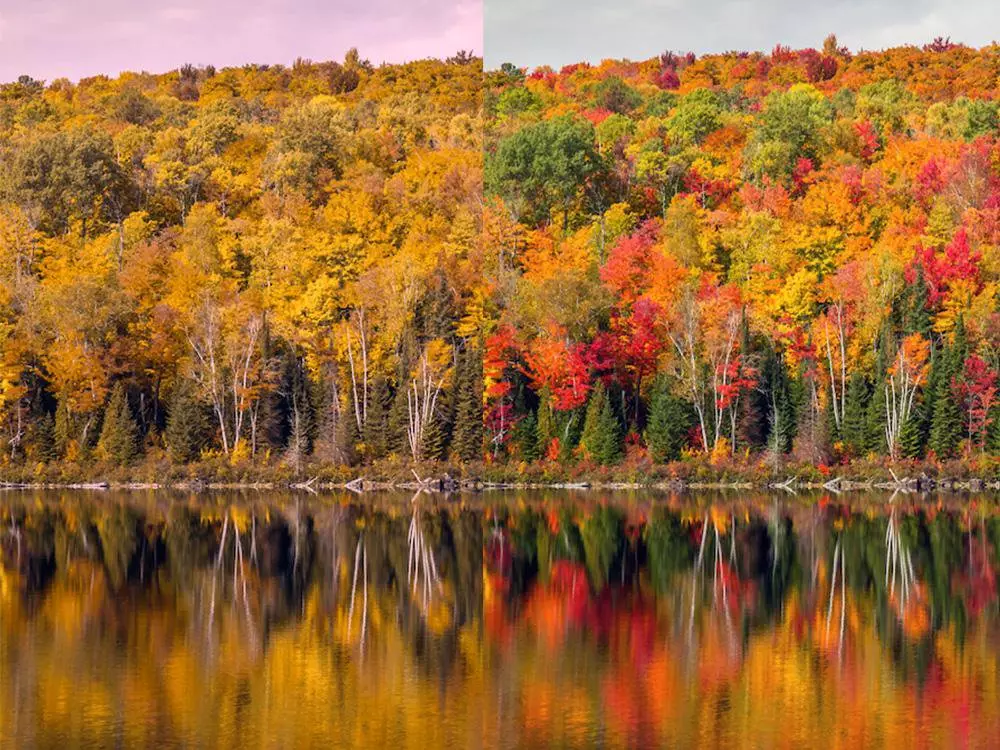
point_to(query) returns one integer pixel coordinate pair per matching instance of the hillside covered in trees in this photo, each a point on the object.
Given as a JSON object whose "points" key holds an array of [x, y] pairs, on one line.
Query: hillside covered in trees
{"points": [[757, 257], [245, 265]]}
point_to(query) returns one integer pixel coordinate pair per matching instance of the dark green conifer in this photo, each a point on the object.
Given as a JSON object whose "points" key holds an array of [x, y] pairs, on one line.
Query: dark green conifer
{"points": [[119, 433], [781, 403], [525, 437], [601, 437], [947, 428], [301, 414], [912, 306], [668, 424], [42, 439], [187, 426], [62, 430], [434, 439], [911, 440], [993, 430], [855, 409], [875, 417], [347, 435], [399, 415], [467, 438], [375, 434]]}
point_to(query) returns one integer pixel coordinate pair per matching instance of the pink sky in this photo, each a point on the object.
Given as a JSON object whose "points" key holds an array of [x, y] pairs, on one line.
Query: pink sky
{"points": [[49, 39]]}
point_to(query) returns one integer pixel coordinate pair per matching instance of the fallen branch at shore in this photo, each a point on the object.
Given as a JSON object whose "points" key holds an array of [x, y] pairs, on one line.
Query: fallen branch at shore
{"points": [[307, 486], [788, 485], [445, 483]]}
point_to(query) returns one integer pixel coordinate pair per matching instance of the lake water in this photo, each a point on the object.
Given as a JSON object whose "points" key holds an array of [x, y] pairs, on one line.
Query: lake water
{"points": [[579, 619]]}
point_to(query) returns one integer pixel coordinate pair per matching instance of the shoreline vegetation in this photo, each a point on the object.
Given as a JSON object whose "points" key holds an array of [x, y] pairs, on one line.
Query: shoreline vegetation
{"points": [[692, 474]]}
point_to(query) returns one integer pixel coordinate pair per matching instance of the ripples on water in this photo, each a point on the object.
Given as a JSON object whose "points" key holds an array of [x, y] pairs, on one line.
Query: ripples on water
{"points": [[528, 620]]}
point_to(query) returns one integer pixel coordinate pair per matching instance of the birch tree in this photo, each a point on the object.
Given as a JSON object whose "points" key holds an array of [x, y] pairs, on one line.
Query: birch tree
{"points": [[427, 380], [906, 376]]}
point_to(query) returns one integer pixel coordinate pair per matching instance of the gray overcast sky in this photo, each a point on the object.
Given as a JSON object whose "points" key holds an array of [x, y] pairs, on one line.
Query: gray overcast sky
{"points": [[557, 32], [73, 38]]}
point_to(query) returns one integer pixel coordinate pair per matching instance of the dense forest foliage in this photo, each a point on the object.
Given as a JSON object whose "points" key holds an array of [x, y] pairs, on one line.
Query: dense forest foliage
{"points": [[242, 263], [791, 254], [763, 257]]}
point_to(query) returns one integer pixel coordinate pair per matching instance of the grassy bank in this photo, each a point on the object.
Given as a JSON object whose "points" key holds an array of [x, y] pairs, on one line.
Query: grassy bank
{"points": [[977, 472]]}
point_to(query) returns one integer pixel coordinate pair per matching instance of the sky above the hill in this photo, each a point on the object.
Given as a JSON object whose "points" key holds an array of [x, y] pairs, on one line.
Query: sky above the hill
{"points": [[50, 39], [558, 32]]}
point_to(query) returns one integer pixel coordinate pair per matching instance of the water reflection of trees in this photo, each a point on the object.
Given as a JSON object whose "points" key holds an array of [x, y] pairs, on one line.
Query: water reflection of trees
{"points": [[416, 563], [694, 610], [637, 608], [242, 566], [909, 571]]}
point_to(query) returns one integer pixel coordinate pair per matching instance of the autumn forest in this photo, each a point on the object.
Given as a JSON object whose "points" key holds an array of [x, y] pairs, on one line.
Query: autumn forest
{"points": [[750, 263]]}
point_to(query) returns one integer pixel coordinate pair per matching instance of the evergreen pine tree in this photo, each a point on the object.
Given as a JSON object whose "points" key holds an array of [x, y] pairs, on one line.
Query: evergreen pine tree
{"points": [[326, 407], [347, 436], [875, 416], [376, 430], [855, 410], [526, 438], [444, 415], [274, 420], [668, 424], [914, 317], [911, 441], [186, 424], [946, 422], [993, 430], [119, 433], [921, 419], [62, 430], [781, 404], [947, 427], [601, 438], [299, 443], [399, 415], [298, 414], [434, 438], [467, 440], [43, 439]]}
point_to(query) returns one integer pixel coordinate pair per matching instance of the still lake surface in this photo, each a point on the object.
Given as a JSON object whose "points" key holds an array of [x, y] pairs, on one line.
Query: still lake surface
{"points": [[546, 619]]}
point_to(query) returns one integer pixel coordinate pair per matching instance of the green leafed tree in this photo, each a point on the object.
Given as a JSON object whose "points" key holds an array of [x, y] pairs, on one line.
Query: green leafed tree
{"points": [[544, 167]]}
